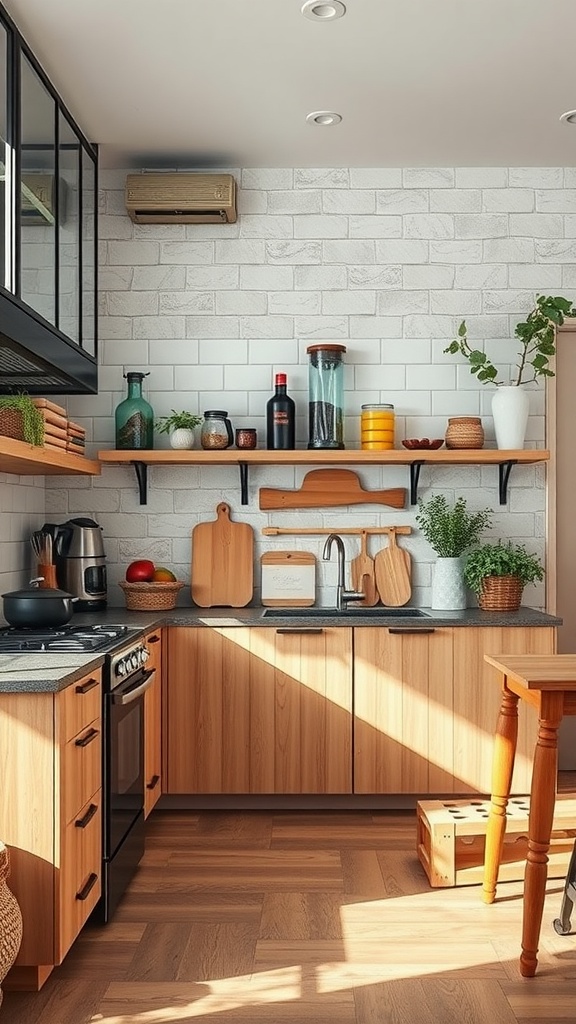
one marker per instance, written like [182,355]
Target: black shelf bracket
[504,470]
[415,468]
[243,466]
[141,469]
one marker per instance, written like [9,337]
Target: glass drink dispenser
[326,396]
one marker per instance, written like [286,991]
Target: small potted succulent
[180,428]
[451,530]
[498,573]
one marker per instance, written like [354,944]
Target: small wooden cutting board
[325,488]
[288,579]
[363,575]
[393,567]
[222,562]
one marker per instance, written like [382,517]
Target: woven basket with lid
[501,593]
[464,432]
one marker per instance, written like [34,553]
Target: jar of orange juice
[377,427]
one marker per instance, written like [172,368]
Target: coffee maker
[80,562]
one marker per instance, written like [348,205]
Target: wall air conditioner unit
[181,198]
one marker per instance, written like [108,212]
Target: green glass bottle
[134,417]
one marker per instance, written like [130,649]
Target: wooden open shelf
[504,459]
[25,459]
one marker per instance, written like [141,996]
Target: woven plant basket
[464,432]
[501,594]
[10,920]
[151,597]
[12,424]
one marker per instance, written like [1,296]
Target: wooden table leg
[542,799]
[502,769]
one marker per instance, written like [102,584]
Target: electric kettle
[80,562]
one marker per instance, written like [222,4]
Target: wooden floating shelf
[25,459]
[415,459]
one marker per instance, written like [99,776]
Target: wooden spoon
[363,575]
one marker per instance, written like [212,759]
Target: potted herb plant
[180,428]
[537,336]
[20,419]
[450,530]
[498,573]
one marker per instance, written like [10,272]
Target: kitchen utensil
[288,578]
[325,488]
[392,565]
[34,608]
[274,531]
[222,562]
[77,549]
[363,574]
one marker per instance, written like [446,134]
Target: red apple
[141,571]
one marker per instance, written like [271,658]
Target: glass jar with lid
[326,396]
[377,427]
[216,430]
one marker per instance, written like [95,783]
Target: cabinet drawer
[79,704]
[80,875]
[81,769]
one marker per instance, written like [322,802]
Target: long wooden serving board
[326,488]
[222,562]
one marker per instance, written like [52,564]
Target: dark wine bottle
[280,417]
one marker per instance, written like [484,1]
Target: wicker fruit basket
[151,597]
[501,594]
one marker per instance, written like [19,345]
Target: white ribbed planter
[510,408]
[448,590]
[181,438]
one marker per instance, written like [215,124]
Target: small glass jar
[246,437]
[216,430]
[464,432]
[326,396]
[377,427]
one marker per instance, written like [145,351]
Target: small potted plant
[21,420]
[451,530]
[180,428]
[537,336]
[498,573]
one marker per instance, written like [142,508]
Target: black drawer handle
[153,782]
[406,629]
[87,738]
[309,632]
[153,639]
[87,686]
[86,889]
[82,822]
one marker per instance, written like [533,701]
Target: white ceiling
[229,82]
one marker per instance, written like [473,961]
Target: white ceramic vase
[448,590]
[181,438]
[510,408]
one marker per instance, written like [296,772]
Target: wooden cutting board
[363,575]
[222,562]
[325,488]
[288,579]
[393,570]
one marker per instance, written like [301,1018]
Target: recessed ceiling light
[569,117]
[323,10]
[323,117]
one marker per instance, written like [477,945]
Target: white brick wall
[21,512]
[385,260]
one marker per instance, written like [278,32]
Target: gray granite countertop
[52,672]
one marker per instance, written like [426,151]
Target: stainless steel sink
[333,613]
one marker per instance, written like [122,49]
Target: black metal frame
[65,362]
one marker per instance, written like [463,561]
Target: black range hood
[37,358]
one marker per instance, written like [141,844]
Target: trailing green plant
[177,421]
[451,530]
[501,560]
[32,420]
[537,336]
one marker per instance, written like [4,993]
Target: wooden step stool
[451,836]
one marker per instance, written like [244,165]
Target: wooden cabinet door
[403,724]
[477,692]
[153,724]
[259,710]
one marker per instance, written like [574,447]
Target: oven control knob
[133,661]
[144,654]
[121,668]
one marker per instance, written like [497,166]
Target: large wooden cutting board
[393,571]
[326,488]
[222,562]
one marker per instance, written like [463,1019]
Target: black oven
[125,683]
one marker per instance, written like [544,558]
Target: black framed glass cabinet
[48,229]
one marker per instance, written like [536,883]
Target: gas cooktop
[64,638]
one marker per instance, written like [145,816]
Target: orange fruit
[162,575]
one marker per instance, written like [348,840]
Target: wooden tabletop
[538,671]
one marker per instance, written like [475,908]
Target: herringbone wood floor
[303,917]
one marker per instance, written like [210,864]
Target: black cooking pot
[35,608]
